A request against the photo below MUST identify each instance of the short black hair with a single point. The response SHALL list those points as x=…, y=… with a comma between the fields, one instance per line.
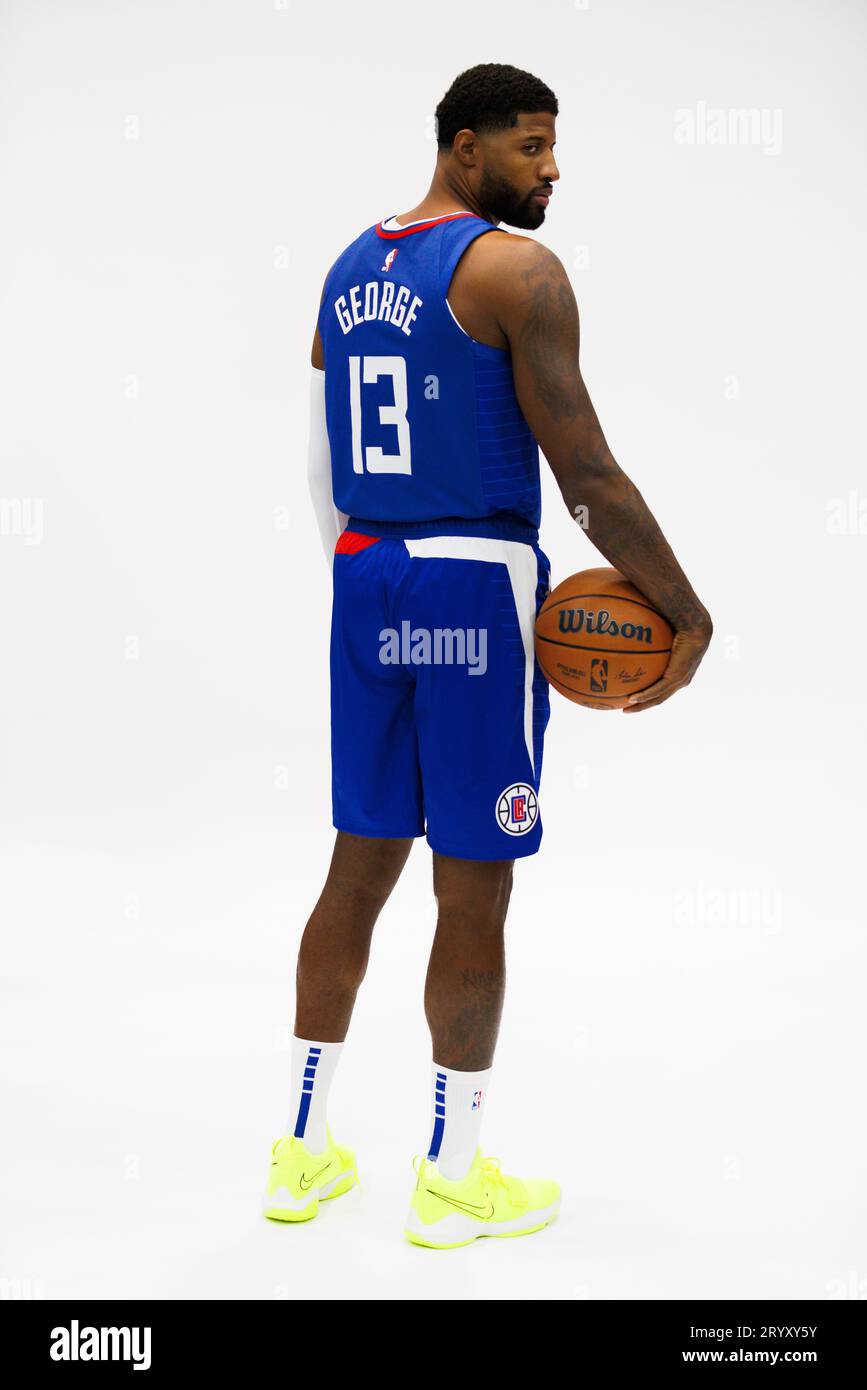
x=489, y=97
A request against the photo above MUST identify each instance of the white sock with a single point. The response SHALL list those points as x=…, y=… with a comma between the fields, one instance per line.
x=456, y=1119
x=313, y=1066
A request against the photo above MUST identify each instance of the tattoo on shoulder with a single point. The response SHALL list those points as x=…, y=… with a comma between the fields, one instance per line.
x=549, y=317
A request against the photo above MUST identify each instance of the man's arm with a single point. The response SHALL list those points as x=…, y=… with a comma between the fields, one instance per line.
x=317, y=356
x=535, y=306
x=329, y=520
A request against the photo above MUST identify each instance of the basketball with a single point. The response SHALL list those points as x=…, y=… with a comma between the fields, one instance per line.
x=598, y=640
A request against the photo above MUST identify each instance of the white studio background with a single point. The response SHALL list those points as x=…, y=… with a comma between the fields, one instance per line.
x=683, y=1039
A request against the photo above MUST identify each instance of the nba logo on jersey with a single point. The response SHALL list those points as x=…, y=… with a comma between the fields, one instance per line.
x=477, y=1100
x=389, y=260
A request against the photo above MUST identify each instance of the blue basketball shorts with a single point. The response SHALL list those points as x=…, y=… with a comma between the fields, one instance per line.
x=438, y=707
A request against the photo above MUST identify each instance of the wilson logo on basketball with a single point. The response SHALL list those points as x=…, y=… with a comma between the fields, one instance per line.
x=584, y=620
x=598, y=639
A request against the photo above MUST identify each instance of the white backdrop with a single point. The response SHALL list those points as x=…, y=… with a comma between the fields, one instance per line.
x=683, y=1040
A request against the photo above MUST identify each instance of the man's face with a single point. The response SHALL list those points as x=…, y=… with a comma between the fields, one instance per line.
x=519, y=171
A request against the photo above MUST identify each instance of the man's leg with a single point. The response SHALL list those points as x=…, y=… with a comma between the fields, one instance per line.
x=466, y=976
x=332, y=961
x=461, y=1194
x=464, y=993
x=335, y=947
x=480, y=733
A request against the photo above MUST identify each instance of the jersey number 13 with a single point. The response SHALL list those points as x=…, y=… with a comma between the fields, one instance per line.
x=370, y=458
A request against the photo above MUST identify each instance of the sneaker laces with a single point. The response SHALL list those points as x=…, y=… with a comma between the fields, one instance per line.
x=514, y=1187
x=347, y=1156
x=492, y=1173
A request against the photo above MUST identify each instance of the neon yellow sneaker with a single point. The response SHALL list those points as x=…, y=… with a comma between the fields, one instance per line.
x=298, y=1179
x=486, y=1202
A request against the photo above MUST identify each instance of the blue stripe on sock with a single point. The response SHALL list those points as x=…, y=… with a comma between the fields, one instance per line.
x=437, y=1139
x=301, y=1122
x=313, y=1055
x=439, y=1116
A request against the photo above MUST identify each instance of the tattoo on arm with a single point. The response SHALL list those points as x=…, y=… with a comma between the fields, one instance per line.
x=548, y=299
x=544, y=335
x=626, y=532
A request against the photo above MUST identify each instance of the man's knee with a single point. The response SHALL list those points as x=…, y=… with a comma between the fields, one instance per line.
x=366, y=869
x=339, y=972
x=470, y=888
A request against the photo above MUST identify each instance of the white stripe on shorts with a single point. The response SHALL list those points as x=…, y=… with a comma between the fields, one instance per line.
x=520, y=560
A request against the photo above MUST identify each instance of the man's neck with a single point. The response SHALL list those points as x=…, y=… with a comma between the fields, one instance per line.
x=442, y=199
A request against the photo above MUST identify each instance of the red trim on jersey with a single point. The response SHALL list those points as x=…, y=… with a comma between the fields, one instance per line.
x=350, y=542
x=420, y=226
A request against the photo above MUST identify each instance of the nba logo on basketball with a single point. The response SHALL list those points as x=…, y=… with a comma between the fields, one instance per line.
x=598, y=674
x=477, y=1100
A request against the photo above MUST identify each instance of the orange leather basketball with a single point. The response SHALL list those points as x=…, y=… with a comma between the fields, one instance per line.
x=598, y=640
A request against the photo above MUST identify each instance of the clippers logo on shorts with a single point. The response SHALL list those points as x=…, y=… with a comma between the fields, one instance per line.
x=599, y=674
x=517, y=809
x=477, y=1100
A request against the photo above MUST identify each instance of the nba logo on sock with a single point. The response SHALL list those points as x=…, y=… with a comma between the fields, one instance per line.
x=477, y=1100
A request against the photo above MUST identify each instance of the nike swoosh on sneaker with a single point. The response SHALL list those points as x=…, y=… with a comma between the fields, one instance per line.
x=305, y=1186
x=483, y=1213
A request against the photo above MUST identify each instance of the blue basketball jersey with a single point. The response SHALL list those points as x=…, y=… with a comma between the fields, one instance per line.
x=423, y=422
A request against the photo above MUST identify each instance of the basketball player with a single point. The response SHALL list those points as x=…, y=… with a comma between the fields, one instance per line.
x=445, y=356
